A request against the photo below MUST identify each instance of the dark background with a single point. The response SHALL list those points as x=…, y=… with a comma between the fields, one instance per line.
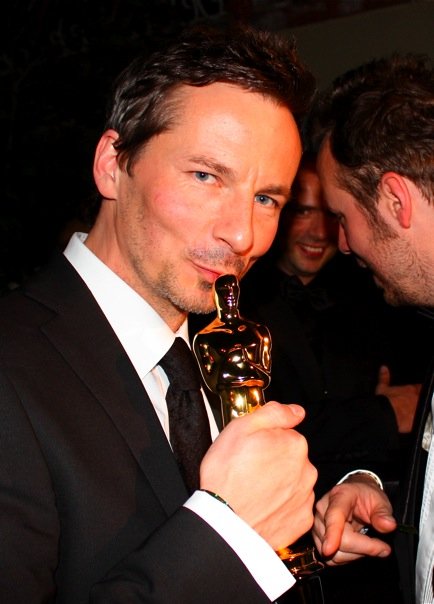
x=58, y=60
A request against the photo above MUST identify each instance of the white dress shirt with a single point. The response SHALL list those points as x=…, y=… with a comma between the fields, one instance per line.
x=425, y=550
x=146, y=338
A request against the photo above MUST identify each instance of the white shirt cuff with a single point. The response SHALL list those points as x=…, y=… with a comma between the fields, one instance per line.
x=367, y=473
x=259, y=558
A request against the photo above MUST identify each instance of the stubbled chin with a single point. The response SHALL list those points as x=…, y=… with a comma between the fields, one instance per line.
x=203, y=303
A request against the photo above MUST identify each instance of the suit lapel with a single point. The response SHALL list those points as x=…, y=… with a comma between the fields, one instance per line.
x=82, y=335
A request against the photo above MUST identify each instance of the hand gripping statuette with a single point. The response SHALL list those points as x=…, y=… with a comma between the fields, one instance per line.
x=234, y=356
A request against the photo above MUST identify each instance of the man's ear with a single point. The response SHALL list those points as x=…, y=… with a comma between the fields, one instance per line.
x=396, y=195
x=105, y=165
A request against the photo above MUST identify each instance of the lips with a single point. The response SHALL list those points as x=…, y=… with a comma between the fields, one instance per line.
x=313, y=251
x=219, y=265
x=209, y=274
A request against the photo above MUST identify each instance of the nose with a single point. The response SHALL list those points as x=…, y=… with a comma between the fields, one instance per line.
x=318, y=226
x=323, y=226
x=235, y=226
x=342, y=242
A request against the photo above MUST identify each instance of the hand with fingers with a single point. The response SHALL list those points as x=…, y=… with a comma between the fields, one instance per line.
x=342, y=515
x=259, y=465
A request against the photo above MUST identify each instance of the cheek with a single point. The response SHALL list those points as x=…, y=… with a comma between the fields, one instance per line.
x=171, y=215
x=330, y=252
x=357, y=242
x=185, y=202
x=296, y=232
x=264, y=237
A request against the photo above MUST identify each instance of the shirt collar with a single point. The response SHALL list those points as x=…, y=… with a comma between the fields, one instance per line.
x=145, y=336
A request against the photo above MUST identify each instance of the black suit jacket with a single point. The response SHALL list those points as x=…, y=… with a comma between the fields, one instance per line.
x=86, y=472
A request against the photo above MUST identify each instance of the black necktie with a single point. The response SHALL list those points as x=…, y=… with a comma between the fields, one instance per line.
x=190, y=435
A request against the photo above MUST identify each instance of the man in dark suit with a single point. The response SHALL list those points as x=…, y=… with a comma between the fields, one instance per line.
x=196, y=162
x=335, y=343
x=376, y=169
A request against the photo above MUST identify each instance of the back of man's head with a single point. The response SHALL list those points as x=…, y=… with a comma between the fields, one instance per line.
x=379, y=117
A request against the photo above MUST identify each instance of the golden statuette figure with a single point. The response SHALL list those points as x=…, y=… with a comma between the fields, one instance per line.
x=234, y=356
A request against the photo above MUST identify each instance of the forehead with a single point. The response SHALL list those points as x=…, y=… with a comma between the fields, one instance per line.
x=235, y=128
x=219, y=99
x=307, y=187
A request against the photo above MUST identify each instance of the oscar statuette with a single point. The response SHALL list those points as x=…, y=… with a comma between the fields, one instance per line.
x=234, y=356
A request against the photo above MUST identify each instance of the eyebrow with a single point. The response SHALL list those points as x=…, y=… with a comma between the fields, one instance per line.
x=212, y=165
x=278, y=190
x=220, y=168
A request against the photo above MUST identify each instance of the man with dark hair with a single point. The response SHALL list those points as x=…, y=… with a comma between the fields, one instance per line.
x=377, y=169
x=332, y=347
x=197, y=161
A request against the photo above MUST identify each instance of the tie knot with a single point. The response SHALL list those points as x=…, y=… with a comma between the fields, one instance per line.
x=181, y=367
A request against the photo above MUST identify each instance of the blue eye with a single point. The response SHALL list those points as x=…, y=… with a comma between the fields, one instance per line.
x=203, y=176
x=265, y=200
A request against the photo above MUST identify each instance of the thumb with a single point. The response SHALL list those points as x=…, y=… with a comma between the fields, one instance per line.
x=276, y=415
x=382, y=520
x=383, y=379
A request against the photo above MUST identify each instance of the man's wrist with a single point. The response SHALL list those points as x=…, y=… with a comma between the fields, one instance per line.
x=255, y=553
x=216, y=496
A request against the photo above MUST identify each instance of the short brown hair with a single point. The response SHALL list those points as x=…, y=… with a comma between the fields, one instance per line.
x=257, y=61
x=379, y=118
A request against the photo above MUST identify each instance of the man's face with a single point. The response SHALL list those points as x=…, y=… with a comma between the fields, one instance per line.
x=310, y=237
x=204, y=198
x=392, y=258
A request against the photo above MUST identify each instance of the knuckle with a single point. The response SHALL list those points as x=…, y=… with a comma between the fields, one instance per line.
x=299, y=440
